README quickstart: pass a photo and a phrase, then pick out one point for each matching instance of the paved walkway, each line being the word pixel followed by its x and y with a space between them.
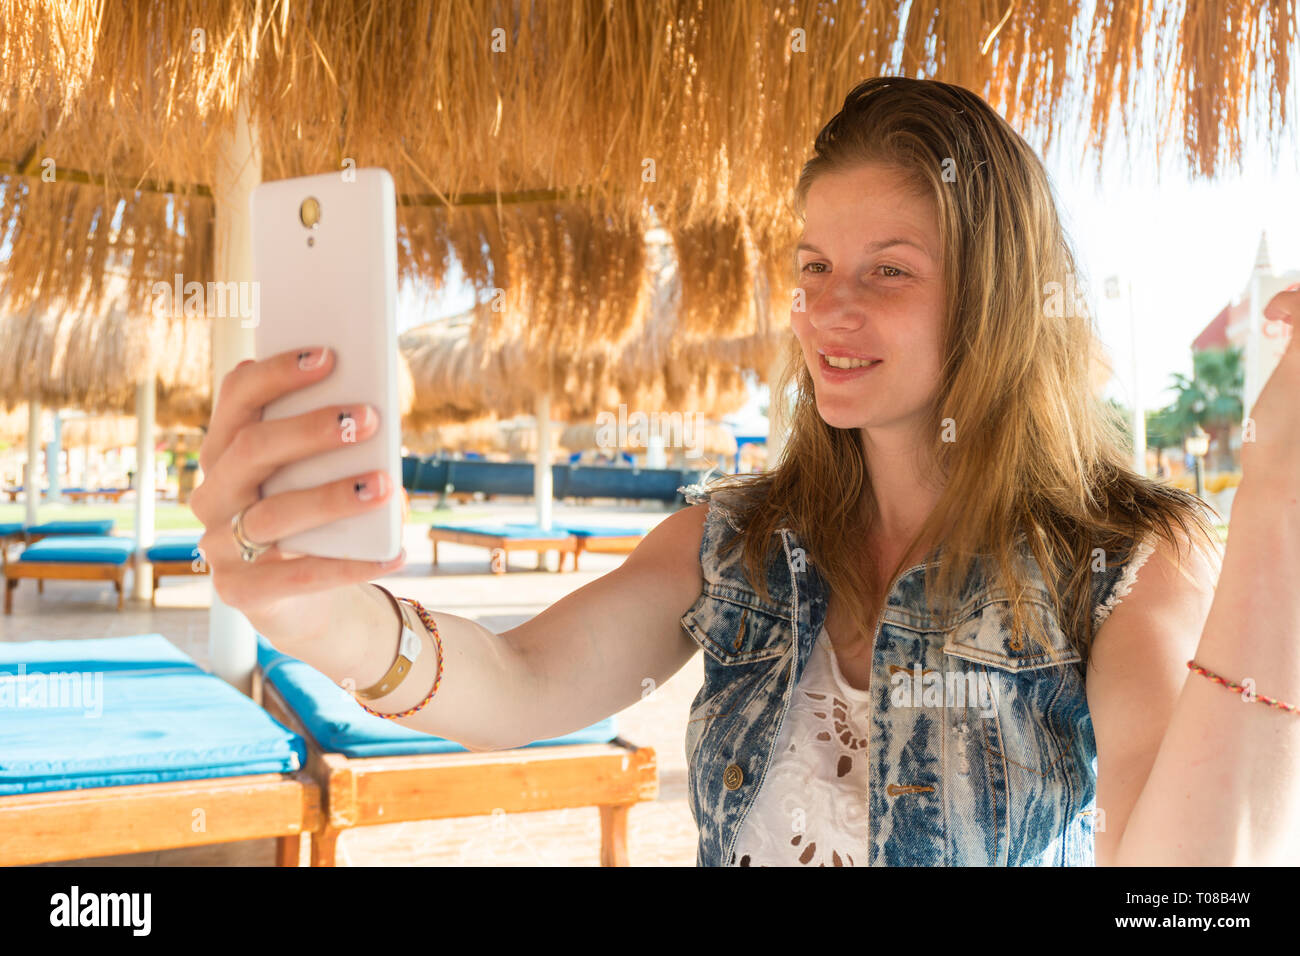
pixel 660 833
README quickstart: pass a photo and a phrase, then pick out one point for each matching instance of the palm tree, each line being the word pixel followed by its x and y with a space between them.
pixel 1211 398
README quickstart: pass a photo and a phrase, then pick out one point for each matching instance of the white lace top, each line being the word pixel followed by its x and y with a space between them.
pixel 812 807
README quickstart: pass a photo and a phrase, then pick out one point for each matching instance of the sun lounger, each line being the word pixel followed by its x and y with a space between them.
pixel 174 555
pixel 89 494
pixel 10 531
pixel 374 771
pixel 500 540
pixel 49 529
pixel 71 557
pixel 601 540
pixel 125 745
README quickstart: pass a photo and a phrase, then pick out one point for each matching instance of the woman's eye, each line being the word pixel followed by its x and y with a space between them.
pixel 895 270
pixel 811 264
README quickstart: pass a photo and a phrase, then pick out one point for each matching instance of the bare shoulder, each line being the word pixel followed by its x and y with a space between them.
pixel 674 543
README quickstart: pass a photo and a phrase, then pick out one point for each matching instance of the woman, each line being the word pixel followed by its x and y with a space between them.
pixel 934 633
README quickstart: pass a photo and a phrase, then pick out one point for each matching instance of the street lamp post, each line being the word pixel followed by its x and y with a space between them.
pixel 1197 444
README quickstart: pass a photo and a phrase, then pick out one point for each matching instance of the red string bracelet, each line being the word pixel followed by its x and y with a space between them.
pixel 427 620
pixel 1259 698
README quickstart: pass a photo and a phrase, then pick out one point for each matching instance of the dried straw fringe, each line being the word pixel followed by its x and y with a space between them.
pixel 582 95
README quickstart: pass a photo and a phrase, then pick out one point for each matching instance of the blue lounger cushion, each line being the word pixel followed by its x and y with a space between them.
pixel 507 530
pixel 10 527
pixel 339 725
pixel 124 725
pixel 177 548
pixel 136 652
pixel 80 549
pixel 599 531
pixel 102 526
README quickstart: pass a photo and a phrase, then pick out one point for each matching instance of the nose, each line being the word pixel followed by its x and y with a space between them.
pixel 835 306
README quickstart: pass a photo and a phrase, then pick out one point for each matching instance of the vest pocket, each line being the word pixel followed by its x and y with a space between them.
pixel 984 635
pixel 735 627
pixel 1038 702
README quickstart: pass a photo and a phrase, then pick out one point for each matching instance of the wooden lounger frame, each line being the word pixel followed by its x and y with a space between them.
pixel 42 571
pixel 366 791
pixel 5 541
pixel 170 568
pixel 504 544
pixel 139 818
pixel 606 544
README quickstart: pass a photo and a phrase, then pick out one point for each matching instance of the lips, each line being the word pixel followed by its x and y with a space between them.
pixel 829 374
pixel 833 373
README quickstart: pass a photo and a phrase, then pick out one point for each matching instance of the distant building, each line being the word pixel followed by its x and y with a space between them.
pixel 1240 324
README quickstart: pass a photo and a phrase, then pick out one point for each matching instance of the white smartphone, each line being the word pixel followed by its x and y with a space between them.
pixel 325 264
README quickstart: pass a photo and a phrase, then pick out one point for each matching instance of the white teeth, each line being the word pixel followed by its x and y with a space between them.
pixel 839 361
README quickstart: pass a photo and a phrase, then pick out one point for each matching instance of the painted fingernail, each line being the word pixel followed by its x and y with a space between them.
pixel 309 359
pixel 368 417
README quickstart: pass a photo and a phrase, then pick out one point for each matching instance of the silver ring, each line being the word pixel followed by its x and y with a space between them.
pixel 248 550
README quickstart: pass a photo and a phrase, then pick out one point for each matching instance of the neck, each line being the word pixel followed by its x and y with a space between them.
pixel 906 489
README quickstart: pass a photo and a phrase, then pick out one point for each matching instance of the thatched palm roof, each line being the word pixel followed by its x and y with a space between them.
pixel 481 436
pixel 92 360
pixel 670 363
pixel 709 438
pixel 567 120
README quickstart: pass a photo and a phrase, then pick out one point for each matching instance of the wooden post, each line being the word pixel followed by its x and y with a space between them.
pixel 232 643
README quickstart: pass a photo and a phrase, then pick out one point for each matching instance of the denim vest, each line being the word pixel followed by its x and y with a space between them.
pixel 982 750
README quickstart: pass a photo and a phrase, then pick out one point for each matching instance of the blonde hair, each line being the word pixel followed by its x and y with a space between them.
pixel 1039 461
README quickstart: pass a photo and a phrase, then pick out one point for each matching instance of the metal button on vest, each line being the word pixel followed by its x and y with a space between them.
pixel 732 777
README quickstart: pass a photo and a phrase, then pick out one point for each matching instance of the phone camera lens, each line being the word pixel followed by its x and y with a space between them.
pixel 309 212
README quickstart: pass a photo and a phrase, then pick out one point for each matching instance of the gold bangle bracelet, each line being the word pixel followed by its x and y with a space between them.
pixel 408 648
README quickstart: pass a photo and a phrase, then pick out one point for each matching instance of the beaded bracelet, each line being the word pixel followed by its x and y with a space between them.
pixel 1259 698
pixel 427 620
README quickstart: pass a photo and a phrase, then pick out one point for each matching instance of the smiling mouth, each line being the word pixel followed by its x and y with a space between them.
pixel 848 364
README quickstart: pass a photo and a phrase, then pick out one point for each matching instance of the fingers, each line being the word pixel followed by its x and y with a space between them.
pixel 1285 307
pixel 247 387
pixel 272 519
pixel 260 448
pixel 291 512
pixel 251 586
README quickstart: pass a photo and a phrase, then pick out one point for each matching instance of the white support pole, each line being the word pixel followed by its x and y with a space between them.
pixel 52 459
pixel 232 643
pixel 145 498
pixel 31 474
pixel 543 486
pixel 776 412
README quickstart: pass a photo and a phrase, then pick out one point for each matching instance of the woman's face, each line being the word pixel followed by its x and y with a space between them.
pixel 870 270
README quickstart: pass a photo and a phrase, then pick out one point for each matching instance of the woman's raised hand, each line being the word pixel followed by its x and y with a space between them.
pixel 281 596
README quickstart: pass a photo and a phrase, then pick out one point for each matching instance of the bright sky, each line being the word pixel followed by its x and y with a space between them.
pixel 1188 249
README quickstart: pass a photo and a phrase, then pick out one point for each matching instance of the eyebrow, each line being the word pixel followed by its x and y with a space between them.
pixel 872 246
